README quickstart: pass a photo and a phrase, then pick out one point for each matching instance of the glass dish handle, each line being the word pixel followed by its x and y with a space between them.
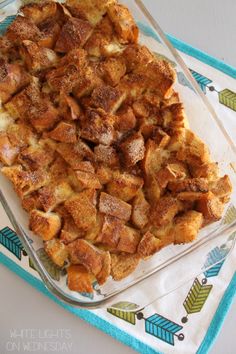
pixel 213 255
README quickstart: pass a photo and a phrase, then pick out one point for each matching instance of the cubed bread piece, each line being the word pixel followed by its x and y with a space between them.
pixel 194 151
pixel 98 128
pixel 50 30
pixel 79 279
pixel 31 202
pixel 148 245
pixel 82 210
pixel 134 85
pixel 123 265
pixel 189 185
pixel 87 180
pixel 69 231
pixel 133 149
pixel 166 175
pixel 159 76
pixel 124 23
pixel 13 77
pixel 104 174
pixel 86 166
pixel 57 251
pixel 140 211
pixel 110 231
pixel 6 121
pixel 107 155
pixel 87 81
pixel 93 233
pixel 165 210
pixel 37 58
pixel 64 132
pixel 222 188
pixel 8 152
pixel 91 10
pixel 20 135
pixel 54 194
pixel 164 234
pixel 105 272
pixel 129 240
pixel 69 108
pixel 45 225
pixel 74 153
pixel 178 140
pixel 22 28
pixel 209 171
pixel 108 98
pixel 58 169
pixel 210 207
pixel 35 157
pixel 186 226
pixel 19 105
pixel 125 119
pixel 136 55
pixel 83 252
pixel 113 69
pixel 173 117
pixel 114 206
pixel 74 33
pixel 39 12
pixel 25 182
pixel 124 185
pixel 190 196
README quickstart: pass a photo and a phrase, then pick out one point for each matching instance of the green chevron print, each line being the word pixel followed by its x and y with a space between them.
pixel 230 215
pixel 126 316
pixel 228 98
pixel 197 297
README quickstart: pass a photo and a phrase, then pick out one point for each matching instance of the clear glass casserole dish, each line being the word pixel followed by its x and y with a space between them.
pixel 178 263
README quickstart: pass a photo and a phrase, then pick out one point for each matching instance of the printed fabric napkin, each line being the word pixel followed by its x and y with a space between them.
pixel 187 320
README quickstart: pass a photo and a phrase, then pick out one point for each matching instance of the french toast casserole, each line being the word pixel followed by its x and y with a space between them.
pixel 96 143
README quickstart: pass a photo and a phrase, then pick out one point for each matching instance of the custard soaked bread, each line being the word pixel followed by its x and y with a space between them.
pixel 96 143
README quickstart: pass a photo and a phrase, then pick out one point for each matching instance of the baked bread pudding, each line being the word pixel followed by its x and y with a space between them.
pixel 96 143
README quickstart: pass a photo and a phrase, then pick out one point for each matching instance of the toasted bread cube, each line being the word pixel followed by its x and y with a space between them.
pixel 108 98
pixel 107 155
pixel 74 153
pixel 58 169
pixel 114 206
pixel 82 210
pixel 104 174
pixel 153 190
pixel 133 149
pixel 190 196
pixel 87 180
pixel 209 171
pixel 186 227
pixel 31 202
pixel 177 141
pixel 79 279
pixel 125 119
pixel 165 210
pixel 210 207
pixel 46 115
pixel 50 30
pixel 19 105
pixel 98 128
pixel 222 188
pixel 110 231
pixel 83 252
pixel 86 166
pixel 159 76
pixel 64 132
pixel 35 157
pixel 148 245
pixel 124 186
pixel 22 28
pixel 45 225
pixel 166 175
pixel 57 251
pixel 37 58
pixel 6 121
pixel 124 23
pixel 134 85
pixel 173 117
pixel 69 108
pixel 113 70
pixel 69 231
pixel 123 265
pixel 86 83
pixel 136 56
pixel 164 234
pixel 54 194
pixel 189 185
pixel 39 12
pixel 20 135
pixel 25 182
pixel 194 151
pixel 129 240
pixel 74 33
pixel 12 79
pixel 106 269
pixel 140 211
pixel 8 152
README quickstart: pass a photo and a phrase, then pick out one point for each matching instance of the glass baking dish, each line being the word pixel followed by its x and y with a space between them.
pixel 174 265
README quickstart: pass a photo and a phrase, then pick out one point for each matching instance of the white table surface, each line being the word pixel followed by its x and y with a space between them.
pixel 210 26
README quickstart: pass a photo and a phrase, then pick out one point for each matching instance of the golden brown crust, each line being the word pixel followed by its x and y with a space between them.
pixel 186 227
pixel 57 251
pixel 64 132
pixel 124 186
pixel 140 211
pixel 114 206
pixel 8 152
pixel 123 265
pixel 79 279
pixel 133 149
pixel 149 245
pixel 45 225
pixel 22 28
pixel 39 12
